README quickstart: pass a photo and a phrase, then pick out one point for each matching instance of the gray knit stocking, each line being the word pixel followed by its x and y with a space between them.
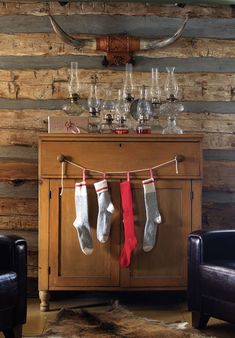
pixel 81 222
pixel 153 217
pixel 106 210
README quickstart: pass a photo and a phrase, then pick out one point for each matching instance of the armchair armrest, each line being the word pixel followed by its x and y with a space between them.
pixel 13 253
pixel 210 245
pixel 206 246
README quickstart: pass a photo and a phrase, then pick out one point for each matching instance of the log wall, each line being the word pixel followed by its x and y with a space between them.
pixel 34 66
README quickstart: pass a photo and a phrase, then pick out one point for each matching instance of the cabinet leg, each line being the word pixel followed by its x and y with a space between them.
pixel 44 298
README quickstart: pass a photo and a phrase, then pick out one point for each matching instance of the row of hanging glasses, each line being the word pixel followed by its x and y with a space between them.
pixel 130 108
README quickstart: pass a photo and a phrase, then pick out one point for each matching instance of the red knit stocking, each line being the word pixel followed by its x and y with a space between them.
pixel 129 229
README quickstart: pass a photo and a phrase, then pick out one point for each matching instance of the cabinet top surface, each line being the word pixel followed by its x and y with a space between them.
pixel 127 137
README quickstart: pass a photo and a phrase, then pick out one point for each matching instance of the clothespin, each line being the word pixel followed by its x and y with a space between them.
pixel 84 175
pixel 128 176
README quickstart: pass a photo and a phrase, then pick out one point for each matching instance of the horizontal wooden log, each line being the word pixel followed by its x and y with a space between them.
pixel 219 175
pixel 207 122
pixel 218 155
pixel 36 44
pixel 51 105
pixel 19 189
pixel 145 26
pixel 27 119
pixel 142 63
pixel 19 152
pixel 19 137
pixel 218 215
pixel 18 206
pixel 48 84
pixel 17 169
pixel 112 8
pixel 19 222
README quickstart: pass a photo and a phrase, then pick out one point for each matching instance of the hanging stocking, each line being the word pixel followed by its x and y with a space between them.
pixel 81 222
pixel 152 214
pixel 106 210
pixel 128 219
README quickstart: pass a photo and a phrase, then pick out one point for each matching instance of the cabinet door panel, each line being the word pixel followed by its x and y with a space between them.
pixel 165 265
pixel 69 265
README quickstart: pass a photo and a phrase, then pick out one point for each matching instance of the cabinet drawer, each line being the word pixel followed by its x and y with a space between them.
pixel 121 154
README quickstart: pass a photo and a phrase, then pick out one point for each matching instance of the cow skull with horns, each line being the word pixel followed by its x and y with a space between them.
pixel 119 49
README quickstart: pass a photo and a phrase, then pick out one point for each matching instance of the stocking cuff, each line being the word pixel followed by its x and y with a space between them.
pixel 149 185
pixel 101 186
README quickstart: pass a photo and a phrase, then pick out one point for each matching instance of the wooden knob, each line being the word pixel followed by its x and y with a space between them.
pixel 60 158
pixel 179 158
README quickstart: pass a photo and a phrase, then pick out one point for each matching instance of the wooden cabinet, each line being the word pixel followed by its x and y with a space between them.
pixel 62 265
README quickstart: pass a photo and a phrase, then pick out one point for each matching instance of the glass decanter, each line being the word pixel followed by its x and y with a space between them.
pixel 155 92
pixel 172 107
pixel 73 107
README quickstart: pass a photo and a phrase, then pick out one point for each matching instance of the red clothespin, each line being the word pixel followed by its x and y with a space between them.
pixel 128 176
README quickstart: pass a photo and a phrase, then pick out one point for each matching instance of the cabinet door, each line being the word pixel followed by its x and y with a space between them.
pixel 165 266
pixel 69 266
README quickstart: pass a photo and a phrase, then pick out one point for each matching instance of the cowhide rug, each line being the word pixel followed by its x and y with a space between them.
pixel 115 322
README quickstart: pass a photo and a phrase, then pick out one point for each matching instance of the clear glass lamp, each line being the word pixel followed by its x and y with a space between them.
pixel 172 107
pixel 144 112
pixel 94 104
pixel 122 113
pixel 108 110
pixel 155 92
pixel 73 107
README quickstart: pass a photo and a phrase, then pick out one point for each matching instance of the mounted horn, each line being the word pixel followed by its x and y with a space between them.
pixel 77 43
pixel 120 48
pixel 146 44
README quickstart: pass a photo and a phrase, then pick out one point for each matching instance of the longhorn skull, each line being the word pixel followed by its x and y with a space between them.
pixel 119 48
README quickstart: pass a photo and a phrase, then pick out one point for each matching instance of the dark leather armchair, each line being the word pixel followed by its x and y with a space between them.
pixel 13 280
pixel 211 276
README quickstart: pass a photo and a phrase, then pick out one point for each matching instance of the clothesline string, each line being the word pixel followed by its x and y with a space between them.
pixel 104 173
pixel 124 172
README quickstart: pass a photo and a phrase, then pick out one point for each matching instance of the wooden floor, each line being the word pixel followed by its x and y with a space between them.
pixel 162 306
